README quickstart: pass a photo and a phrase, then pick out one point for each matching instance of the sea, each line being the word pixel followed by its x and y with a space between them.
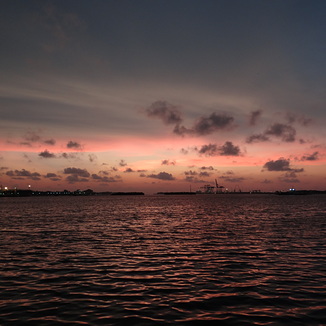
pixel 163 260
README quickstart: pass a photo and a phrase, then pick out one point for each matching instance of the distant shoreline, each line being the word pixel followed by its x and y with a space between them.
pixel 89 192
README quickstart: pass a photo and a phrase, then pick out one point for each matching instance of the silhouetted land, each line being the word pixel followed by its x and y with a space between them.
pixel 90 192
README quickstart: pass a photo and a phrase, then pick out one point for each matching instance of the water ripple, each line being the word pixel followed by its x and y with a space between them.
pixel 179 260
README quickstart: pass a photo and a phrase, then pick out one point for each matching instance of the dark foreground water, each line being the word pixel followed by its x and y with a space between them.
pixel 160 260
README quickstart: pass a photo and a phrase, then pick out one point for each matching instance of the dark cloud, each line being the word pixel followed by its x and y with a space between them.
pixel 92 157
pixel 165 111
pixel 206 168
pixel 311 157
pixel 52 177
pixel 266 181
pixel 280 165
pixel 76 175
pixel 105 178
pixel 162 176
pixel 123 163
pixel 206 125
pixel 74 145
pixel 77 172
pixel 257 138
pixel 32 136
pixel 168 162
pixel 286 132
pixel 228 149
pixel 254 116
pixel 191 173
pixel 23 174
pixel 300 119
pixel 128 170
pixel 209 150
pixel 193 179
pixel 68 155
pixel 233 179
pixel 24 143
pixel 75 178
pixel 25 156
pixel 47 154
pixel 184 151
pixel 204 174
pixel 49 142
pixel 289 177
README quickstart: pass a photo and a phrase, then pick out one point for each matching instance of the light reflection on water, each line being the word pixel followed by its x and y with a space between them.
pixel 239 259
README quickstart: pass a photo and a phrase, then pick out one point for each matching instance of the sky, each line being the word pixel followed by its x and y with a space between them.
pixel 153 95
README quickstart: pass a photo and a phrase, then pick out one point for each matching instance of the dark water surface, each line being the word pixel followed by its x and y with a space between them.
pixel 159 260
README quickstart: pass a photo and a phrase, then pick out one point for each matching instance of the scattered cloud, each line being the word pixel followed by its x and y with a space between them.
pixel 25 156
pixel 311 157
pixel 128 170
pixel 68 155
pixel 191 173
pixel 302 120
pixel 46 154
pixel 204 174
pixel 194 179
pixel 165 111
pixel 289 177
pixel 280 165
pixel 206 125
pixel 75 178
pixel 77 172
pixel 49 141
pixel 233 179
pixel 123 163
pixel 168 162
pixel 92 157
pixel 162 176
pixel 23 174
pixel 52 177
pixel 257 138
pixel 254 116
pixel 105 178
pixel 32 136
pixel 207 168
pixel 286 132
pixel 228 149
pixel 74 145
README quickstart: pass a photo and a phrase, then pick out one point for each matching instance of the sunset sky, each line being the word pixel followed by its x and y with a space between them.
pixel 153 95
